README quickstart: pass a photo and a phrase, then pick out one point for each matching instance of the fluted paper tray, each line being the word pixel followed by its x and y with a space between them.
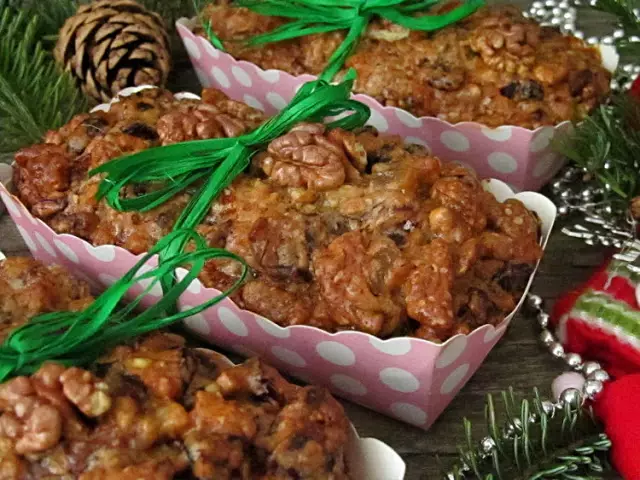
pixel 407 378
pixel 521 157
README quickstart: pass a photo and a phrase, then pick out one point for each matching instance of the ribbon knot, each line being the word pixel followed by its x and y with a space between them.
pixel 310 17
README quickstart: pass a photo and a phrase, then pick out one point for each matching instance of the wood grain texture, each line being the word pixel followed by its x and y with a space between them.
pixel 517 361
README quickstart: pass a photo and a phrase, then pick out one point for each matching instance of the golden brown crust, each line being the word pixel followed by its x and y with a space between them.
pixel 343 230
pixel 495 67
pixel 214 421
pixel 28 288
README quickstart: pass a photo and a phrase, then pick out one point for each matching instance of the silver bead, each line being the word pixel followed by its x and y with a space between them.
pixel 534 302
pixel 587 194
pixel 487 445
pixel 543 319
pixel 634 38
pixel 546 337
pixel 563 210
pixel 599 375
pixel 548 407
pixel 512 428
pixel 556 349
pixel 566 194
pixel 556 21
pixel 571 397
pixel 593 40
pixel 574 360
pixel 608 164
pixel 537 5
pixel 592 388
pixel 557 185
pixel 618 33
pixel 550 3
pixel 589 367
pixel 556 11
pixel 578 34
pixel 608 40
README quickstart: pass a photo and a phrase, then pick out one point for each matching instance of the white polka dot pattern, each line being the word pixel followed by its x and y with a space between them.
pixel 454 380
pixel 455 141
pixel 399 380
pixel 31 245
pixel 197 323
pixel 220 77
pixel 288 356
pixel 336 353
pixel 241 76
pixel 192 48
pixel 232 322
pixel 348 384
pixel 500 134
pixel 253 102
pixel 276 100
pixel 452 351
pixel 393 346
pixel 409 413
pixel 377 120
pixel 271 328
pixel 66 250
pixel 103 253
pixel 502 162
pixel 45 244
pixel 541 140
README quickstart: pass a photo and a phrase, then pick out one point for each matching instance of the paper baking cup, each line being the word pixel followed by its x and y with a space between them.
pixel 410 379
pixel 521 157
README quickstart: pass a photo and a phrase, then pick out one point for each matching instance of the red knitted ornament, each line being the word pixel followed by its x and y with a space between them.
pixel 600 320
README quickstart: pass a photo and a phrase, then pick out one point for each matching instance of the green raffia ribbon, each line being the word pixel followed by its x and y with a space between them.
pixel 321 16
pixel 77 338
pixel 214 163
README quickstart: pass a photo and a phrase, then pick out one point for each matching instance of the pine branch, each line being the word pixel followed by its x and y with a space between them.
pixel 34 95
pixel 539 443
pixel 625 18
pixel 607 144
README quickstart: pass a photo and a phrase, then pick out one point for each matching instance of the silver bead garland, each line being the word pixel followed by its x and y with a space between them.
pixel 594 375
pixel 593 372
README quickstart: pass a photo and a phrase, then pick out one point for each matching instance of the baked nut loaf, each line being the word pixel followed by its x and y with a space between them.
pixel 343 230
pixel 158 410
pixel 29 288
pixel 495 67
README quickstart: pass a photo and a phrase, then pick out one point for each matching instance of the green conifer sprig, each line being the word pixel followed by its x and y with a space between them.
pixel 537 443
pixel 35 95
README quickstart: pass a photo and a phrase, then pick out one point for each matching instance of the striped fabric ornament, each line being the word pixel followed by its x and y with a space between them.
pixel 600 320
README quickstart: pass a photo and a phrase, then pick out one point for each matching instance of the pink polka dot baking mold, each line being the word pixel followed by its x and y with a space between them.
pixel 521 157
pixel 410 379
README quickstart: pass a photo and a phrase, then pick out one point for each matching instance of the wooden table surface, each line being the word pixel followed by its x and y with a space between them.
pixel 517 361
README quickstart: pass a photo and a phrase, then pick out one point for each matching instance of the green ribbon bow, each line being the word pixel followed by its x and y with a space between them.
pixel 322 16
pixel 77 338
pixel 216 162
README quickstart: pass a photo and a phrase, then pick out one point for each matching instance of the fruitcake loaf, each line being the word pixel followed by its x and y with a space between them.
pixel 342 230
pixel 495 67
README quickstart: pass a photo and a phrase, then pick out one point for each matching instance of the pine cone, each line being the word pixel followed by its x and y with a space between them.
pixel 112 44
